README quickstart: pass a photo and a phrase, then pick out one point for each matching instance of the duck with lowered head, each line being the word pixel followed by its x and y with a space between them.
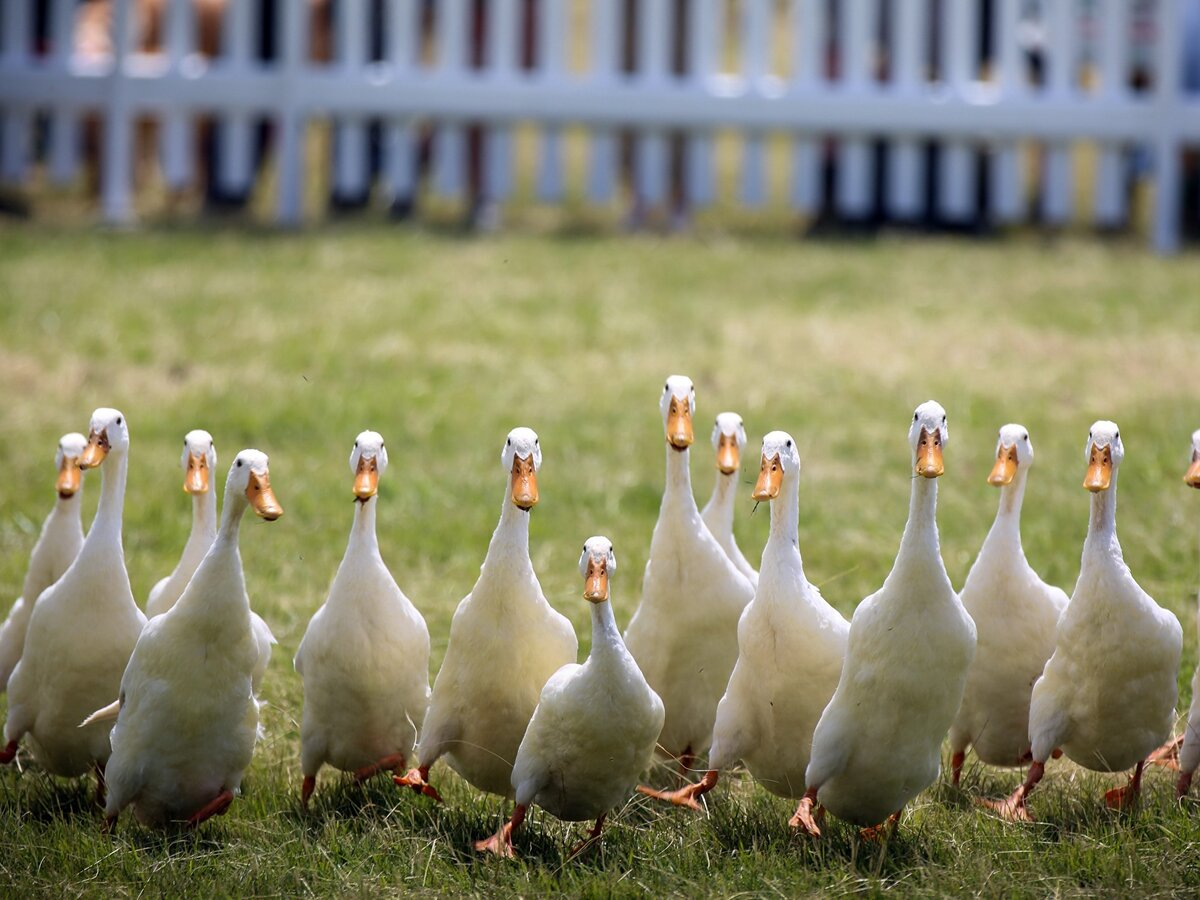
pixel 1107 694
pixel 55 550
pixel 187 714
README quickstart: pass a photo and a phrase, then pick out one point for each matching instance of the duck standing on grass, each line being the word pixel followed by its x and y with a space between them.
pixel 791 644
pixel 55 550
pixel 1015 614
pixel 684 632
pixel 187 717
pixel 595 726
pixel 878 743
pixel 81 631
pixel 728 439
pixel 505 642
pixel 1107 695
pixel 364 658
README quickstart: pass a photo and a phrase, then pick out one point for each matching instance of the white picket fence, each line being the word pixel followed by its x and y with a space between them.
pixel 976 109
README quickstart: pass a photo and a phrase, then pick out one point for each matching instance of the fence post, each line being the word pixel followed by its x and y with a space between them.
pixel 650 168
pixel 502 38
pixel 400 152
pixel 551 67
pixel 702 65
pixel 117 178
pixel 234 171
pixel 1168 84
pixel 350 131
pixel 449 142
pixel 292 28
pixel 602 60
pixel 905 162
pixel 64 120
pixel 176 132
pixel 18 122
pixel 956 178
pixel 756 56
pixel 856 44
pixel 1006 175
pixel 1060 52
pixel 809 32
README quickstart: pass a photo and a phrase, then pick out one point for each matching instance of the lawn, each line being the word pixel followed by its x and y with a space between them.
pixel 293 343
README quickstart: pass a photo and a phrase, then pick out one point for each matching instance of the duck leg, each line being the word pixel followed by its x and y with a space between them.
pixel 1168 754
pixel 956 765
pixel 306 789
pixel 501 843
pixel 1182 785
pixel 593 836
pixel 417 779
pixel 687 762
pixel 1012 808
pixel 686 795
pixel 393 763
pixel 9 753
pixel 218 806
pixel 878 832
pixel 809 814
pixel 1127 796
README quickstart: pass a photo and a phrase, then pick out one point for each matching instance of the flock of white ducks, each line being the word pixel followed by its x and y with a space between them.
pixel 746 666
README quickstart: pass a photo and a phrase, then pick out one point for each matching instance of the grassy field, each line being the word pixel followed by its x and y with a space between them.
pixel 293 343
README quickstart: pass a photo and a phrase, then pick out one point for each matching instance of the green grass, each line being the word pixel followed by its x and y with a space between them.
pixel 293 343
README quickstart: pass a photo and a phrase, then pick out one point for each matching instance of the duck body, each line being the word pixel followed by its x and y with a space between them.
pixel 505 643
pixel 188 716
pixel 365 655
pixel 878 742
pixel 593 732
pixel 81 632
pixel 1015 614
pixel 57 546
pixel 791 645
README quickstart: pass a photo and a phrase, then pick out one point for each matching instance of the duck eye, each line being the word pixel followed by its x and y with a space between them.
pixel 537 442
pixel 118 420
pixel 239 463
pixel 666 387
pixel 914 417
pixel 509 442
pixel 789 443
pixel 1025 436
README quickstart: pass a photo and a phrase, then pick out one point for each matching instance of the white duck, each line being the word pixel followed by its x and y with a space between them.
pixel 1189 750
pixel 1015 613
pixel 728 439
pixel 364 658
pixel 878 742
pixel 55 550
pixel 188 717
pixel 505 642
pixel 1107 695
pixel 684 632
pixel 791 644
pixel 198 460
pixel 82 629
pixel 595 726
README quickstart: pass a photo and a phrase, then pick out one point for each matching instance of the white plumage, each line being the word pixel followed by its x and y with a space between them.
pixel 728 439
pixel 188 715
pixel 55 550
pixel 1189 751
pixel 82 629
pixel 684 631
pixel 1015 614
pixel 364 658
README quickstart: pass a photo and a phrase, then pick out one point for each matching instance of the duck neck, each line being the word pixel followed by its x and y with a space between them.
pixel 67 511
pixel 921 533
pixel 1102 522
pixel 363 538
pixel 678 491
pixel 106 526
pixel 607 646
pixel 511 537
pixel 204 522
pixel 719 509
pixel 227 607
pixel 1007 526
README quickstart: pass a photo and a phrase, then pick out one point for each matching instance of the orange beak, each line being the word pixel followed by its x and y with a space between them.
pixel 262 498
pixel 1005 469
pixel 366 479
pixel 95 451
pixel 1192 478
pixel 595 582
pixel 679 423
pixel 727 454
pixel 770 478
pixel 196 479
pixel 69 477
pixel 1099 471
pixel 524 483
pixel 929 454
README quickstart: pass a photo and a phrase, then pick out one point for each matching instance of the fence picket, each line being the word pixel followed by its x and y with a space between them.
pixel 176 137
pixel 1007 183
pixel 703 34
pixel 650 177
pixel 501 60
pixel 399 146
pixel 602 61
pixel 809 31
pixel 290 121
pixel 18 123
pixel 1061 60
pixel 856 43
pixel 905 161
pixel 956 198
pixel 350 132
pixel 551 64
pixel 449 159
pixel 756 56
pixel 1109 188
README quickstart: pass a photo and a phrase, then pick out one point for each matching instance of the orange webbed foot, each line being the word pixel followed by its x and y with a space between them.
pixel 415 779
pixel 1126 797
pixel 218 806
pixel 808 816
pixel 392 763
pixel 1168 754
pixel 1011 809
pixel 686 795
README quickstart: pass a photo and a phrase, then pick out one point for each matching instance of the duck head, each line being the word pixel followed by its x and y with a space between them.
pixel 368 459
pixel 678 404
pixel 779 456
pixel 596 564
pixel 108 432
pixel 1104 453
pixel 728 439
pixel 521 458
pixel 198 460
pixel 1013 451
pixel 66 460
pixel 1192 478
pixel 250 475
pixel 927 435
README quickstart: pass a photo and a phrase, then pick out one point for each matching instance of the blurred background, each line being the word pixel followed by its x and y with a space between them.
pixel 972 115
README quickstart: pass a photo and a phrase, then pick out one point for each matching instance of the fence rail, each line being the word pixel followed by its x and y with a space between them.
pixel 858 73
